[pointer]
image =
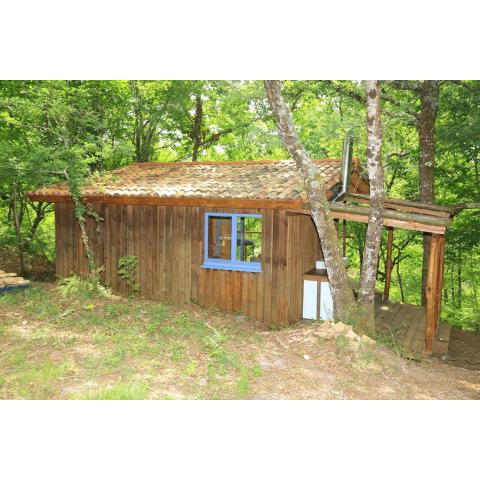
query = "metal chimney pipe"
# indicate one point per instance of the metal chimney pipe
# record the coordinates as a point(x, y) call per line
point(346, 167)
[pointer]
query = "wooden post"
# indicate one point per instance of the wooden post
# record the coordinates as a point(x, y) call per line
point(433, 290)
point(344, 238)
point(388, 264)
point(441, 260)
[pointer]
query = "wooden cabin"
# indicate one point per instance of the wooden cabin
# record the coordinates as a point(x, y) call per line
point(232, 235)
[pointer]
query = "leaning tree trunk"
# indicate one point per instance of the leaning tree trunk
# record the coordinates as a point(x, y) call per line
point(425, 124)
point(342, 294)
point(377, 203)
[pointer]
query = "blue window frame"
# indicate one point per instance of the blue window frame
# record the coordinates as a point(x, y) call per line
point(226, 245)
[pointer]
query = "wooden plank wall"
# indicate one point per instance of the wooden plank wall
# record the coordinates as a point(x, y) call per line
point(168, 242)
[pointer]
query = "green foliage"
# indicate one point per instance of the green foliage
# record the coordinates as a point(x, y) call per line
point(75, 287)
point(127, 269)
point(118, 392)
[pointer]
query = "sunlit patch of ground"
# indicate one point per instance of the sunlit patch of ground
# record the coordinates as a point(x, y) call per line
point(75, 342)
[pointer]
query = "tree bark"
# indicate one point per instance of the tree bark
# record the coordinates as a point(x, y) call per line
point(377, 203)
point(400, 283)
point(425, 124)
point(344, 301)
point(196, 133)
point(459, 283)
point(18, 230)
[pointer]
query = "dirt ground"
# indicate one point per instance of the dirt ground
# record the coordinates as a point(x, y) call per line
point(464, 349)
point(64, 342)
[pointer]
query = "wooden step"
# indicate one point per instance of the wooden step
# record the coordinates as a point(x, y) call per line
point(15, 281)
point(7, 275)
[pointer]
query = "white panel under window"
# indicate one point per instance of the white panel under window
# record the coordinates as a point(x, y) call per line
point(310, 299)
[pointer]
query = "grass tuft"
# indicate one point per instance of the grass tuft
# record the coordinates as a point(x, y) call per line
point(117, 392)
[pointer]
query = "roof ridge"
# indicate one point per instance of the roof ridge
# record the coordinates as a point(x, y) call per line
point(355, 162)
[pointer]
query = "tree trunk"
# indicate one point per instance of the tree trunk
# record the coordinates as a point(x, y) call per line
point(344, 301)
point(196, 133)
point(425, 124)
point(139, 126)
point(18, 230)
point(400, 283)
point(459, 283)
point(377, 203)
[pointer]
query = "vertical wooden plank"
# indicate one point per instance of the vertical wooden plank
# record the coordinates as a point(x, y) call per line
point(106, 239)
point(168, 253)
point(277, 240)
point(194, 239)
point(229, 293)
point(100, 242)
point(148, 249)
point(59, 249)
point(267, 262)
point(237, 291)
point(161, 265)
point(116, 242)
point(282, 269)
point(154, 253)
point(201, 271)
point(121, 245)
point(178, 261)
point(243, 286)
point(292, 264)
point(74, 245)
point(187, 247)
point(134, 240)
point(388, 264)
point(143, 249)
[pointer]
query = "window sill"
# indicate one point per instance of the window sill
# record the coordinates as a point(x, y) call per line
point(239, 267)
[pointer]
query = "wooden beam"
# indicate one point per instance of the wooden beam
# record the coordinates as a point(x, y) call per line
point(405, 220)
point(406, 205)
point(177, 201)
point(433, 291)
point(388, 264)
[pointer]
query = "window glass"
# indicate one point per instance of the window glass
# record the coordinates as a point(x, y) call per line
point(249, 239)
point(220, 237)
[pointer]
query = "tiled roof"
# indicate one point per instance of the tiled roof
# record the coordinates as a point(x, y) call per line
point(254, 180)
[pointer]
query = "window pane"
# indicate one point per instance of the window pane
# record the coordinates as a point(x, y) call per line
point(220, 237)
point(249, 239)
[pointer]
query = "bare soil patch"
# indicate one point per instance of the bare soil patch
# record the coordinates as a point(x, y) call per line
point(464, 349)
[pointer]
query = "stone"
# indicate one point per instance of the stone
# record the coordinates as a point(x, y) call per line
point(367, 340)
point(327, 335)
point(339, 327)
point(306, 357)
point(351, 335)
